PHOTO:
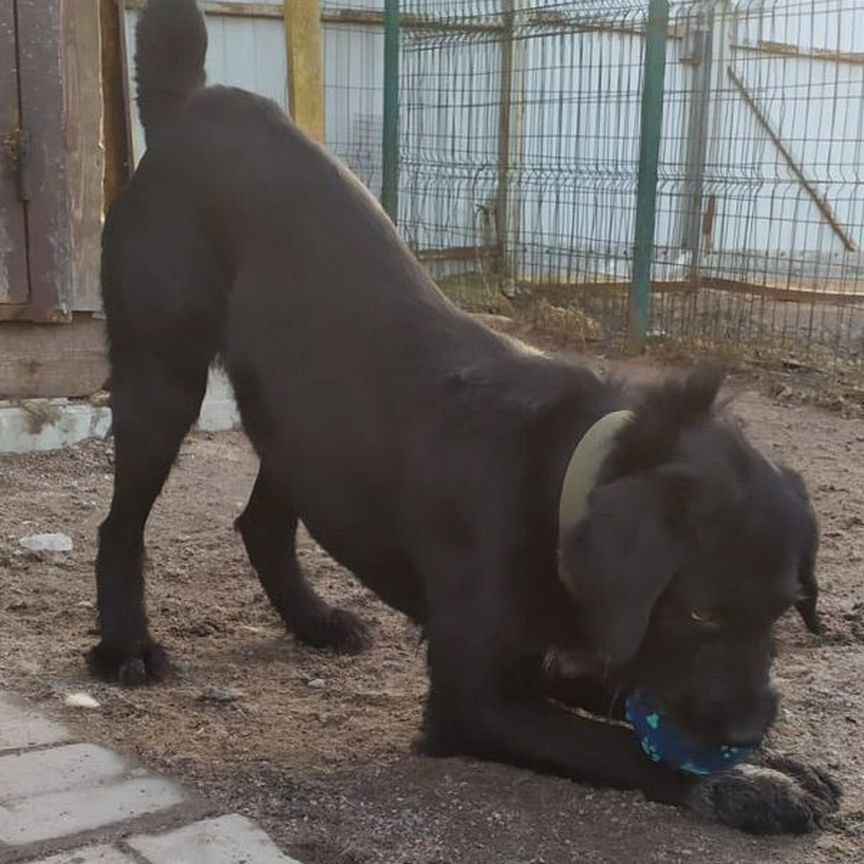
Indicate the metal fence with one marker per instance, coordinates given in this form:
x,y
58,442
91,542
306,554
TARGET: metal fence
x,y
522,133
692,172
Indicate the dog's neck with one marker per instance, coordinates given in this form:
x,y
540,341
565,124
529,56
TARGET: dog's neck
x,y
584,468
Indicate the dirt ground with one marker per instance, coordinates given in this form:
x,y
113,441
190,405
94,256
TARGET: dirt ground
x,y
319,748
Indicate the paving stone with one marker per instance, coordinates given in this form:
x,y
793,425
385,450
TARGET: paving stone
x,y
90,855
85,808
20,727
52,789
38,772
224,840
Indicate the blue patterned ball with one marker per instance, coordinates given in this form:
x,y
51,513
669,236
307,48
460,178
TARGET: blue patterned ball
x,y
662,741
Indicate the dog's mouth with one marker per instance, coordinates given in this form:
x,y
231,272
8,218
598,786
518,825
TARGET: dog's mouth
x,y
710,727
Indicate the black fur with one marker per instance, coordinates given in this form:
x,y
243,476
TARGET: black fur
x,y
426,454
778,796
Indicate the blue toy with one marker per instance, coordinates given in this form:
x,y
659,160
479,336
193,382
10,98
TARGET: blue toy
x,y
663,742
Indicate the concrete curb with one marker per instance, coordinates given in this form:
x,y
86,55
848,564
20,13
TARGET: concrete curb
x,y
67,802
40,425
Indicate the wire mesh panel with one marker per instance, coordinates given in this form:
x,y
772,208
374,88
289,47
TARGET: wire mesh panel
x,y
451,170
520,154
520,142
353,85
772,178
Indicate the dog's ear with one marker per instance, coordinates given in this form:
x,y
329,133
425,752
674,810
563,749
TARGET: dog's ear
x,y
807,604
618,561
701,387
664,410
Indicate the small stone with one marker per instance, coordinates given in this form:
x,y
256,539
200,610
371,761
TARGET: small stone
x,y
317,683
47,542
81,700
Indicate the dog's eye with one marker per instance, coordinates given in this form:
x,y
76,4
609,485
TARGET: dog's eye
x,y
703,616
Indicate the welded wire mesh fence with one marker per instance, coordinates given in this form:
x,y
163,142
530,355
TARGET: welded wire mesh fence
x,y
520,144
354,85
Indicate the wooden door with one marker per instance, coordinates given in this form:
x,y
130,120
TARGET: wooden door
x,y
14,282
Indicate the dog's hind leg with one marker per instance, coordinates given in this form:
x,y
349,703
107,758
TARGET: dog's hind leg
x,y
153,408
160,286
268,526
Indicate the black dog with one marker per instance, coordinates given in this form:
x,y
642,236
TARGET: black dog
x,y
428,455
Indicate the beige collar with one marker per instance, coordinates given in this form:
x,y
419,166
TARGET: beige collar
x,y
584,468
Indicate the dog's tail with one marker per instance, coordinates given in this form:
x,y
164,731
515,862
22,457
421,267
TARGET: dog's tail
x,y
171,46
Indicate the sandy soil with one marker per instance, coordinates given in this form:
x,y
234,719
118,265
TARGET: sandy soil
x,y
319,748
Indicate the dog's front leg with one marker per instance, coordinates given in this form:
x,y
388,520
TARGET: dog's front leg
x,y
480,709
777,796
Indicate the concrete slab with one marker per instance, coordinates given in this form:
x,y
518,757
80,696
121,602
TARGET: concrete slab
x,y
89,855
218,410
225,840
39,772
87,808
49,424
21,727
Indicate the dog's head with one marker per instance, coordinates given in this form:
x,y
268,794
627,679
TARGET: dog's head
x,y
693,546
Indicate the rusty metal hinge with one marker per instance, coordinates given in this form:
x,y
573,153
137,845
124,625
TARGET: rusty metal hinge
x,y
16,148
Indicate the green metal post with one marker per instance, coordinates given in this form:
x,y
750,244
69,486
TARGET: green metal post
x,y
390,161
654,71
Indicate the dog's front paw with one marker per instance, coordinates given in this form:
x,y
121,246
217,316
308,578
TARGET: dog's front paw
x,y
815,780
336,630
130,667
778,796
